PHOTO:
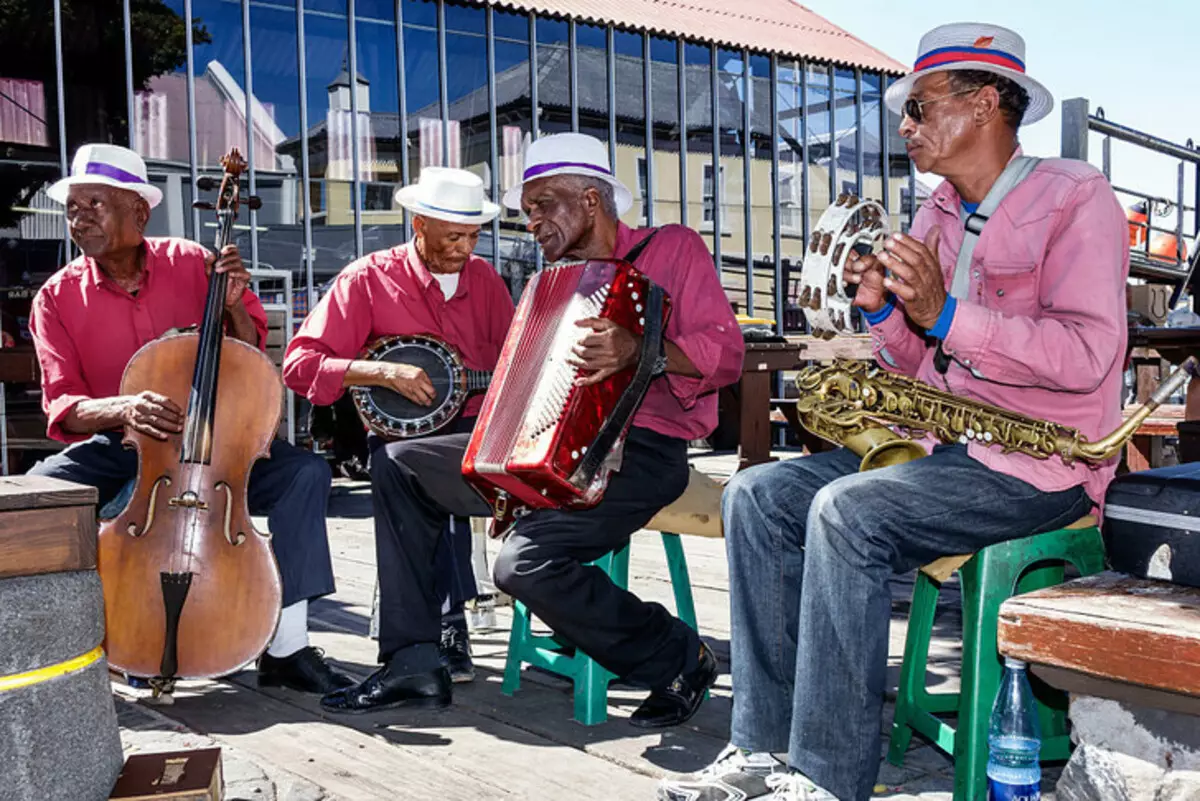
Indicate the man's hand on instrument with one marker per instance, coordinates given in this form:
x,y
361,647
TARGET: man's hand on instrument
x,y
230,262
152,414
868,272
409,381
917,276
606,351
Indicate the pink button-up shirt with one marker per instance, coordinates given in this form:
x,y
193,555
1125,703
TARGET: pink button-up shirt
x,y
86,328
392,293
1042,330
701,324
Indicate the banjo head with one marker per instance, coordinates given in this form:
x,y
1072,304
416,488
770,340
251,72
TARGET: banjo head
x,y
393,416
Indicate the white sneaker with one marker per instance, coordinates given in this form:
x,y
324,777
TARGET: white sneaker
x,y
796,787
735,775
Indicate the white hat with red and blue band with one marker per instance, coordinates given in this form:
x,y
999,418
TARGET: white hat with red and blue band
x,y
973,46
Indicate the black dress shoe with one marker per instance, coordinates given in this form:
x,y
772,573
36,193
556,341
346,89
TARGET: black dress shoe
x,y
384,690
455,651
679,700
305,671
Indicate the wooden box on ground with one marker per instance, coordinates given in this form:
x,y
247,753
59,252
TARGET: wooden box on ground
x,y
60,736
171,776
1128,651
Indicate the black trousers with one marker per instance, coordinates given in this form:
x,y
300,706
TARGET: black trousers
x,y
541,563
291,488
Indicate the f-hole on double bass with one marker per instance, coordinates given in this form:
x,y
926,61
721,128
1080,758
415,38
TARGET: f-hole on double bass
x,y
191,590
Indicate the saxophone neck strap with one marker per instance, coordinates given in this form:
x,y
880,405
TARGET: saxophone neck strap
x,y
1017,170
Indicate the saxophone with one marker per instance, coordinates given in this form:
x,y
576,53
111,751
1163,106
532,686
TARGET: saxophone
x,y
879,415
857,405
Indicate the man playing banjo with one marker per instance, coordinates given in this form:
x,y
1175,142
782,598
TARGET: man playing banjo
x,y
433,286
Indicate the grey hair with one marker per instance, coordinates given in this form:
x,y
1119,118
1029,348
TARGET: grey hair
x,y
604,189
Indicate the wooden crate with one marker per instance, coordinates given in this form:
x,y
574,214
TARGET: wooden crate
x,y
46,526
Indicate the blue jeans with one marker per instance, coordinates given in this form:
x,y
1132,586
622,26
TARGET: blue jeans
x,y
812,544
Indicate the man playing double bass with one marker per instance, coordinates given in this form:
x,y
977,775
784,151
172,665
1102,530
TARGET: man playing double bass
x,y
87,322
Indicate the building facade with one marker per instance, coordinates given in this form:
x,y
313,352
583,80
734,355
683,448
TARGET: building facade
x,y
336,103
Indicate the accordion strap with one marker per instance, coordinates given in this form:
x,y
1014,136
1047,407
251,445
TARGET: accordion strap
x,y
631,398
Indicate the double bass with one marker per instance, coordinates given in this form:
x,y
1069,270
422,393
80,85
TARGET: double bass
x,y
191,589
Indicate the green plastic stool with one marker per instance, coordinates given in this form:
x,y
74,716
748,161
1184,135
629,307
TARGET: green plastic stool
x,y
987,578
549,653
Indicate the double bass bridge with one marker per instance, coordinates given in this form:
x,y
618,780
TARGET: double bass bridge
x,y
188,500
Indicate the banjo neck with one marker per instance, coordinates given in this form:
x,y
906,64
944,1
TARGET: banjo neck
x,y
478,380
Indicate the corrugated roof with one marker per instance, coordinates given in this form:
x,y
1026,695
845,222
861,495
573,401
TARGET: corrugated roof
x,y
772,26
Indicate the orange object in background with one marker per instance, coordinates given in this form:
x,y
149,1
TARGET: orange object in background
x,y
1163,246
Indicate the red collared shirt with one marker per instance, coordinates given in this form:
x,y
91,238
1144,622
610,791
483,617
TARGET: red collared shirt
x,y
390,293
86,328
702,325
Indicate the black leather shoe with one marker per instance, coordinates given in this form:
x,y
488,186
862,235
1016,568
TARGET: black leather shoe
x,y
679,700
455,651
305,671
384,690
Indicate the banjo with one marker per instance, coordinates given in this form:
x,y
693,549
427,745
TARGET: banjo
x,y
391,415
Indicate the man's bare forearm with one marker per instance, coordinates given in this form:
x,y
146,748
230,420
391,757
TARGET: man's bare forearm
x,y
95,415
363,373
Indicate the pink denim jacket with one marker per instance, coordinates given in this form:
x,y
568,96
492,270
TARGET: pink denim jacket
x,y
1043,328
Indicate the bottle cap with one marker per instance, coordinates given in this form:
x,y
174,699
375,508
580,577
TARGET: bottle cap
x,y
1015,664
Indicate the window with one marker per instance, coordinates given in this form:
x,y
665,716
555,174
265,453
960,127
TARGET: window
x,y
643,195
708,195
791,203
23,112
377,196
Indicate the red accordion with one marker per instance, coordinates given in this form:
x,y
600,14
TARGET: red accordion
x,y
541,441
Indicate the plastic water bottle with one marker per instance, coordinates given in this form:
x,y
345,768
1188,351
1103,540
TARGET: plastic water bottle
x,y
1014,739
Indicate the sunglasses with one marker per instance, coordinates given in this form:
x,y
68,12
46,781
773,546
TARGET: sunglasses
x,y
912,106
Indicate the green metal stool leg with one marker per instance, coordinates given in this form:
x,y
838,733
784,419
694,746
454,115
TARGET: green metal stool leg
x,y
516,649
685,606
911,689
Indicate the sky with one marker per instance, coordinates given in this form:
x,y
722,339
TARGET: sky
x,y
1139,62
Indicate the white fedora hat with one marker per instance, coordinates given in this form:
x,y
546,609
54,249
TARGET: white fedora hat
x,y
568,154
974,46
110,165
449,194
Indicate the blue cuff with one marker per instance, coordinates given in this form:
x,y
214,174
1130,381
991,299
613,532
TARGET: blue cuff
x,y
875,318
942,327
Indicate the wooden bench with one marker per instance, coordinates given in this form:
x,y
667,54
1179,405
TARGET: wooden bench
x,y
1128,652
1144,449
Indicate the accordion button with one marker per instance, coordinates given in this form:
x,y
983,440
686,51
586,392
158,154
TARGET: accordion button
x,y
574,454
638,307
634,295
641,321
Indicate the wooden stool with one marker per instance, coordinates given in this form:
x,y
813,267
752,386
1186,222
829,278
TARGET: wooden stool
x,y
696,512
988,578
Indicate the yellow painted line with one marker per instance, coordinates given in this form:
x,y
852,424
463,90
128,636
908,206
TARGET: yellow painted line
x,y
19,680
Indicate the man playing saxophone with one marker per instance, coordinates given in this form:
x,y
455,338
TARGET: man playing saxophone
x,y
1034,323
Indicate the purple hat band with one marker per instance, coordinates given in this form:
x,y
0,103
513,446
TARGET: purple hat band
x,y
538,169
109,171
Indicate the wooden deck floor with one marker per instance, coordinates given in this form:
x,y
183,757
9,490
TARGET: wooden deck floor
x,y
487,745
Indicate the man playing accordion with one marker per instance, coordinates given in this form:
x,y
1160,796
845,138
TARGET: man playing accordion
x,y
1033,323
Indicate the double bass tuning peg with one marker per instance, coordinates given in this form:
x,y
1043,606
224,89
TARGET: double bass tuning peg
x,y
206,183
253,202
203,205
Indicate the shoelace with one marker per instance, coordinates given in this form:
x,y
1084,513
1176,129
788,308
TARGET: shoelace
x,y
795,787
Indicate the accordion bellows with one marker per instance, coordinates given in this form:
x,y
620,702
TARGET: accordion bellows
x,y
536,426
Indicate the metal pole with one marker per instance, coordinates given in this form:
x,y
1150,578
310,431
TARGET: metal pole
x,y
356,177
611,65
494,150
681,58
193,149
62,115
400,73
305,175
747,194
804,205
1075,129
533,96
443,90
776,237
647,113
885,154
130,109
3,432
573,63
833,144
246,62
858,131
714,81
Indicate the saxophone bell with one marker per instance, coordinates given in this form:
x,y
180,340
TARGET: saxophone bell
x,y
882,447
